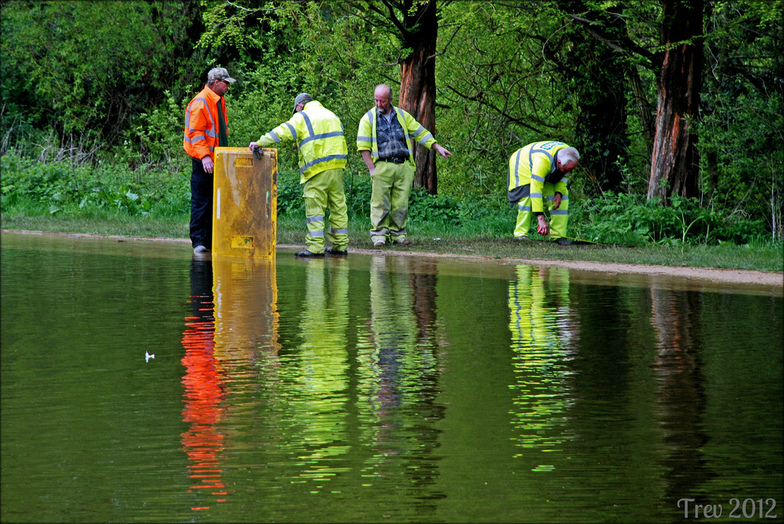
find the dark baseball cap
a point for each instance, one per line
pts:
(302, 98)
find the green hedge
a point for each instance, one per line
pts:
(59, 187)
(630, 219)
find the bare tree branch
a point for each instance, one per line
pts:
(476, 98)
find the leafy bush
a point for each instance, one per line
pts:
(290, 200)
(629, 219)
(61, 187)
(440, 208)
(52, 184)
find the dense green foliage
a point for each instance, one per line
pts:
(90, 69)
(60, 188)
(93, 96)
(57, 188)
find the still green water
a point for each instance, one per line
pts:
(379, 389)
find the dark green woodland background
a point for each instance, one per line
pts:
(94, 93)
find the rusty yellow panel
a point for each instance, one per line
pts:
(244, 203)
(241, 242)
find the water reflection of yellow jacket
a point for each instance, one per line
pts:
(392, 366)
(541, 395)
(320, 378)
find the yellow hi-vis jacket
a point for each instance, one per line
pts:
(531, 165)
(201, 124)
(318, 134)
(367, 139)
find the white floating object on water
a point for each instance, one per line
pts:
(148, 356)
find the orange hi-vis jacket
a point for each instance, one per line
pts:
(201, 124)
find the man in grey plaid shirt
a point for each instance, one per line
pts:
(385, 141)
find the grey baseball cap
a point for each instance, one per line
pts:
(219, 73)
(302, 98)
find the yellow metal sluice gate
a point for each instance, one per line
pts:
(244, 203)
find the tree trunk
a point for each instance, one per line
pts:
(418, 84)
(644, 109)
(675, 160)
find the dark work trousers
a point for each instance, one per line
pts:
(201, 206)
(201, 290)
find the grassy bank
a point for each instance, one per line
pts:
(153, 201)
(429, 238)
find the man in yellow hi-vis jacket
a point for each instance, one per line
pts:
(537, 172)
(385, 141)
(321, 143)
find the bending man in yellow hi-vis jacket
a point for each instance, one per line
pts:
(385, 141)
(321, 143)
(537, 172)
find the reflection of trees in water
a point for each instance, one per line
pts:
(681, 392)
(203, 383)
(399, 371)
(422, 279)
(541, 325)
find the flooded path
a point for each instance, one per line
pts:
(140, 385)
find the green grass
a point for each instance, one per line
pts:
(110, 198)
(426, 238)
(101, 222)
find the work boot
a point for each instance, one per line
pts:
(201, 253)
(335, 252)
(307, 253)
(563, 241)
(378, 243)
(522, 239)
(403, 242)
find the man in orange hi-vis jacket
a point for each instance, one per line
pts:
(206, 128)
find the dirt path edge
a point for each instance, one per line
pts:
(731, 276)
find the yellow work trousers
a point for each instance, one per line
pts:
(559, 218)
(389, 201)
(325, 191)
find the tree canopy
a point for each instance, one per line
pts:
(602, 75)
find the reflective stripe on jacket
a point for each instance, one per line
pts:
(201, 124)
(532, 164)
(367, 138)
(318, 134)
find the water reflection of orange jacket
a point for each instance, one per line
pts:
(203, 395)
(202, 377)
